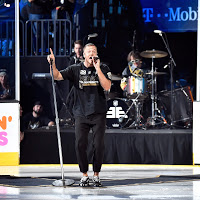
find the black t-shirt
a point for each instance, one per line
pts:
(31, 122)
(89, 97)
(74, 60)
(22, 124)
(39, 7)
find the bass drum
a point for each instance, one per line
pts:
(116, 116)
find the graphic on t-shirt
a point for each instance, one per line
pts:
(88, 79)
(33, 125)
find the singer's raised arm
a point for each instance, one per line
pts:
(51, 59)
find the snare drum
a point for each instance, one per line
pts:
(135, 85)
(117, 108)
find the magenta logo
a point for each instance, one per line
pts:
(3, 125)
(3, 139)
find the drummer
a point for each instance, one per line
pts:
(134, 68)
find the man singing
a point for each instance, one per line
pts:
(90, 79)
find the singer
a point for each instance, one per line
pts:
(90, 78)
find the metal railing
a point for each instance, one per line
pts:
(36, 37)
(40, 35)
(7, 38)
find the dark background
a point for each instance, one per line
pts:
(122, 33)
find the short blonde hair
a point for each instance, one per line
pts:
(88, 45)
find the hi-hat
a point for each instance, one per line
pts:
(153, 54)
(155, 73)
(116, 77)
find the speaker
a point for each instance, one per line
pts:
(182, 104)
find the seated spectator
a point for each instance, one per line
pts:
(36, 118)
(5, 91)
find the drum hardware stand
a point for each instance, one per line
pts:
(121, 119)
(154, 106)
(137, 113)
(154, 115)
(171, 65)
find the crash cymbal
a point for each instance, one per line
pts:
(116, 77)
(155, 73)
(153, 54)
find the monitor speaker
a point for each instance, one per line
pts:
(182, 104)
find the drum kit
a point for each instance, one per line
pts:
(127, 112)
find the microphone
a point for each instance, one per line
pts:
(158, 31)
(41, 76)
(178, 83)
(95, 58)
(92, 35)
(51, 61)
(165, 66)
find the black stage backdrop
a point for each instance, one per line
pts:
(41, 89)
(36, 89)
(170, 147)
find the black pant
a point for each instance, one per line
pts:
(97, 123)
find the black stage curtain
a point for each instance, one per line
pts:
(148, 148)
(170, 147)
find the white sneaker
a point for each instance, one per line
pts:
(84, 182)
(96, 181)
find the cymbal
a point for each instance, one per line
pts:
(116, 77)
(153, 54)
(155, 73)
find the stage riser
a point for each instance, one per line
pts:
(121, 147)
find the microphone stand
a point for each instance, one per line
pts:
(88, 38)
(85, 40)
(134, 40)
(63, 182)
(172, 65)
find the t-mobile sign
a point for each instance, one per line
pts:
(170, 15)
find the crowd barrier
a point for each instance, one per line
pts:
(36, 37)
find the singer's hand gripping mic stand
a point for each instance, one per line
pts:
(171, 65)
(63, 182)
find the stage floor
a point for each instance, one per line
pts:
(119, 182)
